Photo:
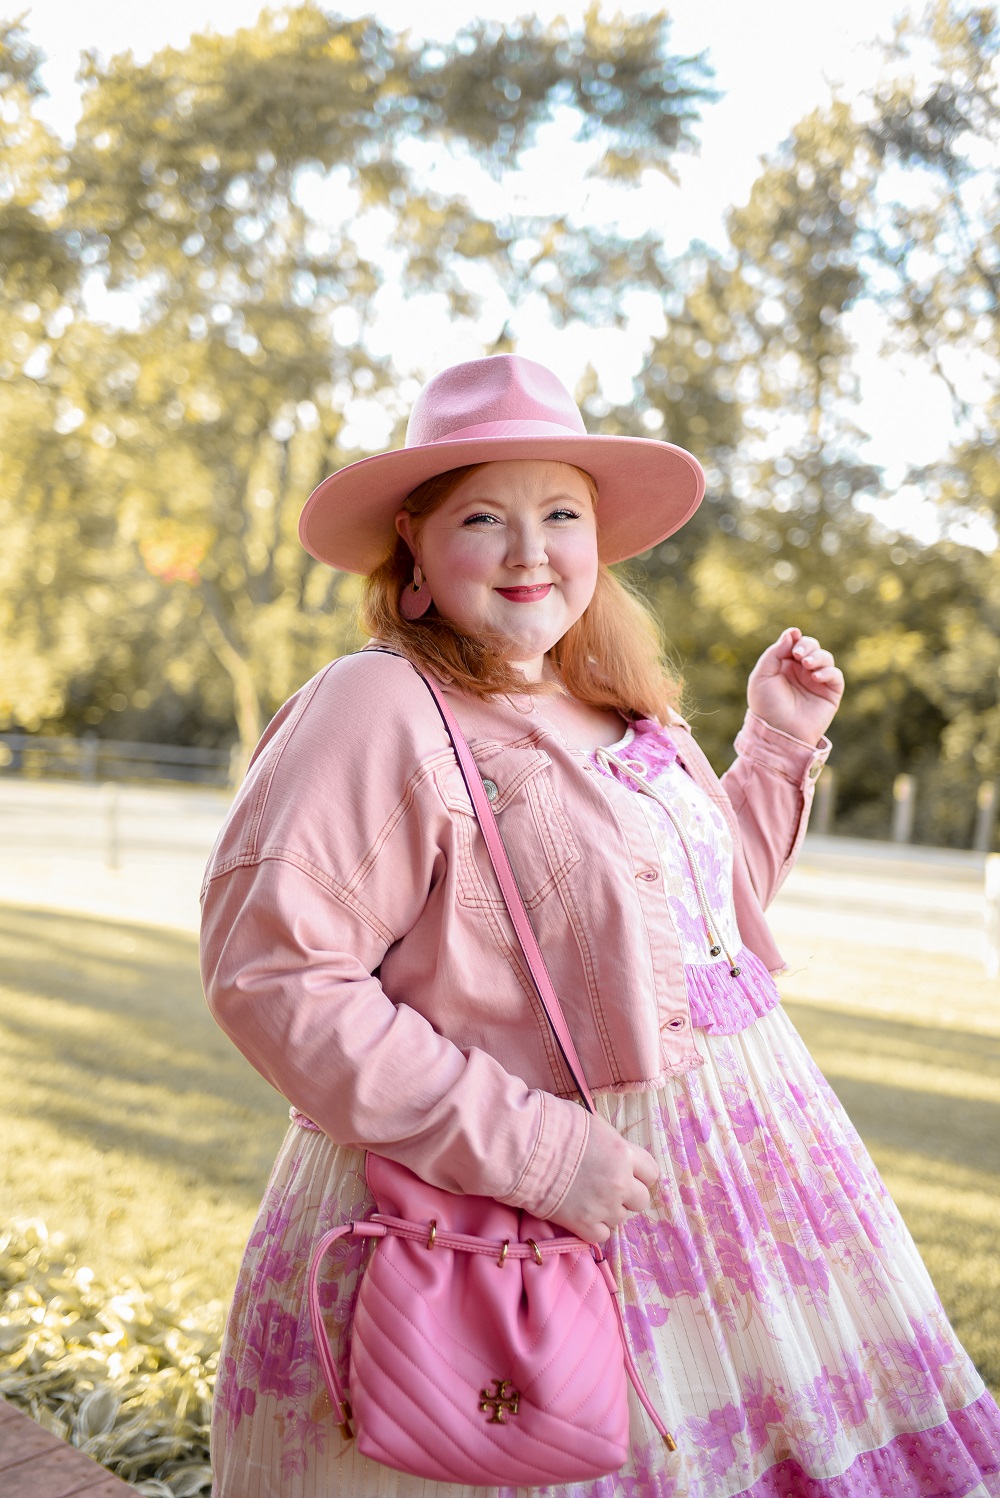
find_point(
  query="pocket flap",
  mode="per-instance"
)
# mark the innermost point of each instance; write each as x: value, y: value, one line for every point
x: 508, y: 769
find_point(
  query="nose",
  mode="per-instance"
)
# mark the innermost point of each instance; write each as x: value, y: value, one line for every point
x: 527, y: 546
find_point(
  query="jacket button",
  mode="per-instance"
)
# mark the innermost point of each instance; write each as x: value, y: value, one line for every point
x: 492, y: 789
x: 677, y: 1023
x: 649, y: 874
x: 816, y: 770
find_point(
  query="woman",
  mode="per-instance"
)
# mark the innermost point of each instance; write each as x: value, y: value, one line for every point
x: 357, y: 951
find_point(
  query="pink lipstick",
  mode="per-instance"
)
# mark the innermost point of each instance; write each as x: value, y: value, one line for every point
x: 525, y: 595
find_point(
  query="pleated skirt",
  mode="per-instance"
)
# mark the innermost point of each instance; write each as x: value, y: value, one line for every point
x: 782, y: 1318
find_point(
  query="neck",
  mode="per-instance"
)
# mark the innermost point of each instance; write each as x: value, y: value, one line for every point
x: 537, y: 670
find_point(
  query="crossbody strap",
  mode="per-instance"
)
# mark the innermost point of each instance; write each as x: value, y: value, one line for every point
x: 513, y: 900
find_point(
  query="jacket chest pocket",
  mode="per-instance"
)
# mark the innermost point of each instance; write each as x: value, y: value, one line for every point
x: 536, y: 834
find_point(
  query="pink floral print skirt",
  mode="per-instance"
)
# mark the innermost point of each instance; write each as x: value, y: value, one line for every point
x: 782, y: 1317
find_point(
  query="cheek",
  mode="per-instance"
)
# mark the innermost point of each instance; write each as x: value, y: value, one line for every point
x: 575, y: 558
x: 460, y: 567
x: 463, y: 559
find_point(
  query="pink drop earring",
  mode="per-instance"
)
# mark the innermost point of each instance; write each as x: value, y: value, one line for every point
x: 415, y: 599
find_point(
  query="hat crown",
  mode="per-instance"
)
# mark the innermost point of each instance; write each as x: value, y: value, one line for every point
x: 486, y: 392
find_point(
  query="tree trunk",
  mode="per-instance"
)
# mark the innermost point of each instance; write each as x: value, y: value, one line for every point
x: 246, y: 701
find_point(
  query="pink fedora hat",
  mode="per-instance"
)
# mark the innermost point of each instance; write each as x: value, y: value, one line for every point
x: 488, y: 410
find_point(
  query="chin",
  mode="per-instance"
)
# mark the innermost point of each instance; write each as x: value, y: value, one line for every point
x: 525, y: 643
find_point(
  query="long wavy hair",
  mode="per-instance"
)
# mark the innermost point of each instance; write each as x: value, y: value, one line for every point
x: 612, y: 657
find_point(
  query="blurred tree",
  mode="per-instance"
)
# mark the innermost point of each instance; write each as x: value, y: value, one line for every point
x: 43, y: 643
x: 251, y: 195
x: 245, y: 206
x: 935, y: 135
x: 755, y: 374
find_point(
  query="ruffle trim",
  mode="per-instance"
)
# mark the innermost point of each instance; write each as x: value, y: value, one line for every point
x: 723, y: 1005
x: 646, y: 745
x: 960, y: 1457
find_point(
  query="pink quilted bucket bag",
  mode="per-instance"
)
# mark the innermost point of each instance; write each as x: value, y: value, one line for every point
x: 487, y: 1345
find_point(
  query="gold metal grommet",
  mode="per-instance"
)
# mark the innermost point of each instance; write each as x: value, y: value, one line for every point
x: 503, y: 1253
x: 432, y: 1234
x: 535, y: 1250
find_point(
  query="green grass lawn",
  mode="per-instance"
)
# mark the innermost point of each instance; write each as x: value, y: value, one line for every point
x: 129, y: 1121
x: 131, y: 1125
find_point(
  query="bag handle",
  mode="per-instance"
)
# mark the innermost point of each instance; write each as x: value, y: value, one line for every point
x: 486, y: 817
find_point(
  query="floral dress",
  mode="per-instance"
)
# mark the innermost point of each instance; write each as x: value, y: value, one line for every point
x: 782, y: 1318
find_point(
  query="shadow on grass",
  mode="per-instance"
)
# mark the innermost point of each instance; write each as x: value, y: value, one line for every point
x: 107, y: 1048
x: 140, y: 1023
x: 886, y: 1107
x: 108, y: 1026
x: 961, y: 1131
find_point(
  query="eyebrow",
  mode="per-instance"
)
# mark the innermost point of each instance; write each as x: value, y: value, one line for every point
x: 548, y: 500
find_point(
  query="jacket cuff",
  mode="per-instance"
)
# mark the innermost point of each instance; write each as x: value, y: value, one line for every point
x: 555, y: 1159
x: 796, y: 760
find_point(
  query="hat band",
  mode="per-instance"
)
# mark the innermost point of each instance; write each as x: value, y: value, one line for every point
x: 488, y: 429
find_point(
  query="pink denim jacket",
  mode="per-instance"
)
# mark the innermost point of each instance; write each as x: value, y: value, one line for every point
x: 356, y: 948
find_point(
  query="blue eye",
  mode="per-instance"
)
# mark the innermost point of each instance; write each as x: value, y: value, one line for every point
x: 484, y: 518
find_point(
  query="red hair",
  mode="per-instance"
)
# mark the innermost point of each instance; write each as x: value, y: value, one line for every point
x: 610, y: 658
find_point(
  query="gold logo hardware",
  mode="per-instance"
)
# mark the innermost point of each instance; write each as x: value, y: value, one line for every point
x: 504, y: 1397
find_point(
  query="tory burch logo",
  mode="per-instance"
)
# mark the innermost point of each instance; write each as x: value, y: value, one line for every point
x: 504, y: 1397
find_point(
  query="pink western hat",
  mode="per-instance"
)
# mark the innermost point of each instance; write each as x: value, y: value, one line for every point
x: 486, y: 411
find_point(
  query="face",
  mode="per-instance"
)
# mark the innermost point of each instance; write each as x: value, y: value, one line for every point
x: 512, y: 550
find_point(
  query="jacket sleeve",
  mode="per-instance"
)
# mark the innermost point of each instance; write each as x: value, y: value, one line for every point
x: 771, y: 785
x: 329, y: 856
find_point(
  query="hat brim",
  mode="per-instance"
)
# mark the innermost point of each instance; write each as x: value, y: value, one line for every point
x: 646, y: 490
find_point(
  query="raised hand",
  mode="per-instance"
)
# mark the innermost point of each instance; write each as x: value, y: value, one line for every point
x: 796, y: 687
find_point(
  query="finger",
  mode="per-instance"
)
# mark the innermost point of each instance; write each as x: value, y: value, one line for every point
x: 804, y: 647
x: 638, y: 1199
x: 817, y: 659
x: 601, y: 1233
x: 775, y: 655
x: 645, y: 1168
x: 786, y: 642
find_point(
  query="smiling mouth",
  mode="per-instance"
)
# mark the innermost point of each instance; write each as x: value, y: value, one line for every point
x: 525, y: 595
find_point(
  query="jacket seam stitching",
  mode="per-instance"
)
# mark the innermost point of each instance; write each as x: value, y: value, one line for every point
x: 333, y: 887
x: 593, y: 991
x: 576, y: 1164
x: 515, y: 1191
x: 512, y: 954
x: 399, y: 812
x: 765, y: 761
x: 264, y: 789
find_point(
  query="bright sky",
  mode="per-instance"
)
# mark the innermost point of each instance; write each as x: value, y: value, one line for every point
x: 773, y: 63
